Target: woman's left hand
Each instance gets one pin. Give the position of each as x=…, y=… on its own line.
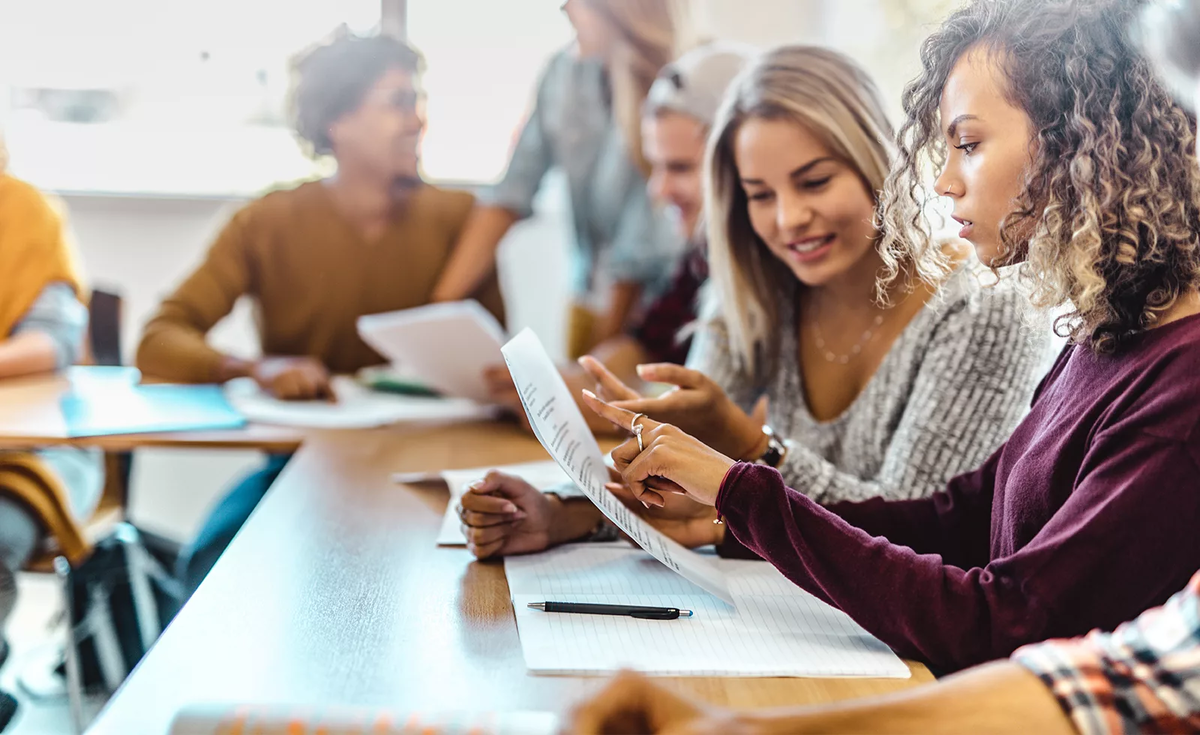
x=668, y=460
x=697, y=405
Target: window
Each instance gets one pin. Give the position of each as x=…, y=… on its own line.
x=484, y=58
x=158, y=96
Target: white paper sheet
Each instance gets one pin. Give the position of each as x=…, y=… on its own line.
x=356, y=408
x=562, y=430
x=544, y=476
x=445, y=346
x=776, y=630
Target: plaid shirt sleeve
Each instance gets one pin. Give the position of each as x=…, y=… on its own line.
x=1142, y=677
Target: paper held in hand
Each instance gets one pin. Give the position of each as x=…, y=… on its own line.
x=563, y=431
x=443, y=346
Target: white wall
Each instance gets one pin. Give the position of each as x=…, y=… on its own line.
x=883, y=35
x=762, y=23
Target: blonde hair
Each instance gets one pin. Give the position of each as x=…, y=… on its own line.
x=834, y=99
x=648, y=36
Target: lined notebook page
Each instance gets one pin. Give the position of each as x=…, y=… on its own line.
x=776, y=629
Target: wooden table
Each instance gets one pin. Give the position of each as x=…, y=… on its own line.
x=30, y=417
x=335, y=593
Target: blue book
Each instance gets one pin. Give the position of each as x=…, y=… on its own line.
x=108, y=401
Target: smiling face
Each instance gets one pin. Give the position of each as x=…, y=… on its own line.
x=810, y=208
x=990, y=149
x=673, y=144
x=383, y=134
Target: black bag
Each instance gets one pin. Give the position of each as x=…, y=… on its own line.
x=118, y=601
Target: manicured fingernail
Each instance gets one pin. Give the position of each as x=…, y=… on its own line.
x=642, y=371
x=645, y=504
x=590, y=394
x=612, y=486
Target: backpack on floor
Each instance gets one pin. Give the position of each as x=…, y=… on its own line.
x=118, y=601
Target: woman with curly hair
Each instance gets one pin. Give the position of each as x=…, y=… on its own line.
x=1062, y=152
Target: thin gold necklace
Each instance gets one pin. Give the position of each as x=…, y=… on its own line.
x=855, y=351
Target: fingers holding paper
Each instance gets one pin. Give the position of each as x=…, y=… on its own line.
x=666, y=461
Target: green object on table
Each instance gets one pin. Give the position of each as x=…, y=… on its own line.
x=387, y=383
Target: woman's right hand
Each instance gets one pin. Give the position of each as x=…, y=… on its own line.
x=680, y=518
x=664, y=460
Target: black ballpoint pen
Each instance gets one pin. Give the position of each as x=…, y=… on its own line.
x=632, y=611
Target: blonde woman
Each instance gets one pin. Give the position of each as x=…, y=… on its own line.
x=587, y=120
x=866, y=399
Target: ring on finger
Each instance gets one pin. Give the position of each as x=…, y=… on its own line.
x=636, y=428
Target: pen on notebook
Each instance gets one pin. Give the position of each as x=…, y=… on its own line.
x=632, y=611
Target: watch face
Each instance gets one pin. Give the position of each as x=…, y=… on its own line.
x=774, y=454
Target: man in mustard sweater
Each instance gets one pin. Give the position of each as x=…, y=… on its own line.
x=371, y=238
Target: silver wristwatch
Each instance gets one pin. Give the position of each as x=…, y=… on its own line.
x=777, y=448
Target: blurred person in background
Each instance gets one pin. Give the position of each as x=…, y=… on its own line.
x=43, y=325
x=371, y=238
x=676, y=117
x=587, y=120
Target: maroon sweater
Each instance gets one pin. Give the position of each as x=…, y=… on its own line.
x=1087, y=516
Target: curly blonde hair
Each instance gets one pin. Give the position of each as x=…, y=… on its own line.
x=1106, y=222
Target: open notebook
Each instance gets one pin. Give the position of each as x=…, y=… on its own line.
x=776, y=629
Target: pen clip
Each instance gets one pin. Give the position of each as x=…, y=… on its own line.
x=669, y=614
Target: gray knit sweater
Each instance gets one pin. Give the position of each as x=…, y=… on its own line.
x=953, y=386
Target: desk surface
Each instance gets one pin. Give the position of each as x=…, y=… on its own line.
x=30, y=417
x=335, y=593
